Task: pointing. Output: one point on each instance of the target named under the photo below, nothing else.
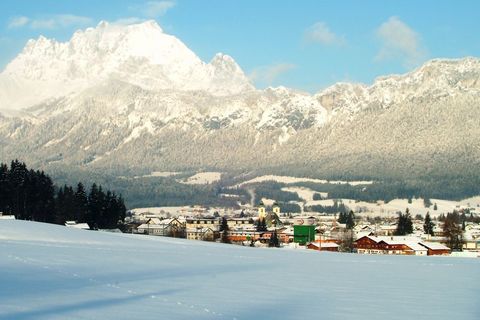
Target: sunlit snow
(51, 272)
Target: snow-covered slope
(140, 54)
(52, 272)
(135, 98)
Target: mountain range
(133, 100)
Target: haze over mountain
(134, 99)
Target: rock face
(132, 98)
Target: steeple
(261, 210)
(276, 208)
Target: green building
(303, 234)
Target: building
(207, 229)
(202, 233)
(74, 224)
(323, 246)
(302, 234)
(271, 218)
(240, 223)
(174, 227)
(390, 245)
(435, 248)
(6, 217)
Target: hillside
(109, 101)
(52, 272)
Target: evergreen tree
(350, 220)
(94, 207)
(81, 204)
(5, 189)
(428, 225)
(453, 232)
(274, 241)
(426, 202)
(342, 218)
(224, 229)
(31, 195)
(347, 241)
(435, 206)
(261, 225)
(404, 224)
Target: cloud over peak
(321, 33)
(400, 42)
(50, 22)
(154, 9)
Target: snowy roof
(324, 244)
(362, 234)
(411, 242)
(73, 224)
(7, 217)
(201, 230)
(151, 226)
(434, 246)
(154, 221)
(415, 246)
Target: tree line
(31, 195)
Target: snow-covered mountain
(132, 97)
(140, 54)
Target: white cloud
(154, 9)
(17, 22)
(268, 74)
(399, 41)
(321, 33)
(50, 22)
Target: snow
(140, 54)
(53, 272)
(416, 207)
(204, 178)
(289, 180)
(305, 194)
(159, 174)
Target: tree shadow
(85, 305)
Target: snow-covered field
(203, 178)
(288, 180)
(51, 272)
(416, 207)
(390, 208)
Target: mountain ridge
(143, 118)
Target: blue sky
(308, 44)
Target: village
(264, 226)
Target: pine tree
(81, 204)
(404, 224)
(261, 225)
(274, 241)
(224, 229)
(94, 207)
(435, 206)
(342, 218)
(347, 241)
(453, 232)
(426, 202)
(428, 225)
(350, 220)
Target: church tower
(261, 211)
(276, 209)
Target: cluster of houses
(321, 232)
